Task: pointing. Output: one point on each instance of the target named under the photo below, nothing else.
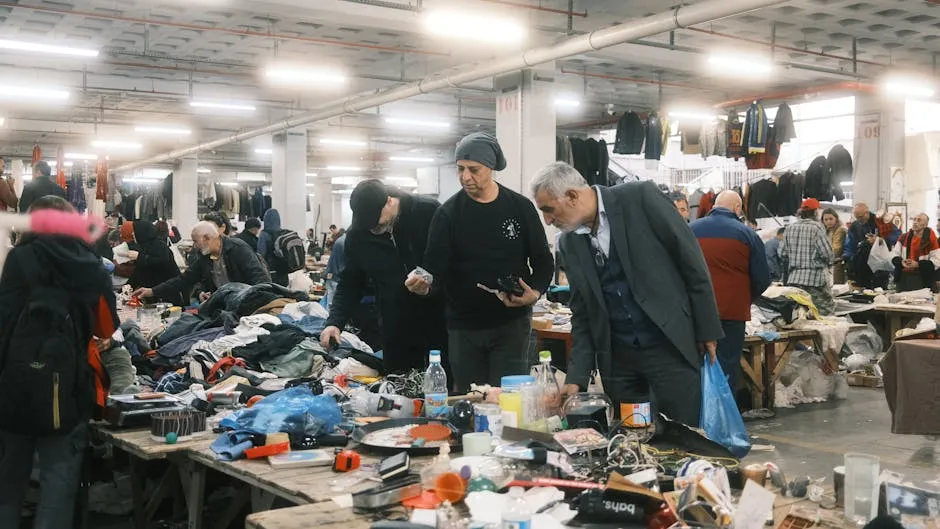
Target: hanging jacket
(755, 129)
(817, 179)
(840, 169)
(783, 122)
(761, 192)
(630, 134)
(603, 162)
(735, 136)
(654, 137)
(789, 194)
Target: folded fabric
(313, 325)
(177, 348)
(305, 308)
(281, 341)
(251, 323)
(231, 446)
(297, 363)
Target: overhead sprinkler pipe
(679, 17)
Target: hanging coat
(840, 169)
(783, 123)
(654, 137)
(630, 134)
(755, 129)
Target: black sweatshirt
(474, 243)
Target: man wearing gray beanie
(488, 254)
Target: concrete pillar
(525, 124)
(289, 178)
(185, 195)
(324, 200)
(879, 150)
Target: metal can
(488, 418)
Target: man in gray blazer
(642, 306)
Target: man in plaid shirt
(806, 257)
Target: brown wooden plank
(139, 444)
(326, 514)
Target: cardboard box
(863, 380)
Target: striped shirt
(806, 254)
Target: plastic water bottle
(551, 393)
(435, 388)
(516, 514)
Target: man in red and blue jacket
(738, 267)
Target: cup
(838, 485)
(477, 443)
(861, 487)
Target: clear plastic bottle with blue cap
(435, 388)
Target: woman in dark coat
(155, 263)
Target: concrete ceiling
(157, 55)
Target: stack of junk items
(245, 370)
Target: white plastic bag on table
(879, 260)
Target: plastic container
(517, 514)
(861, 487)
(587, 401)
(449, 486)
(488, 418)
(435, 388)
(533, 409)
(546, 381)
(510, 398)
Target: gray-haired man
(642, 305)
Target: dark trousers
(659, 374)
(484, 356)
(60, 465)
(908, 281)
(729, 350)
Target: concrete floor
(811, 439)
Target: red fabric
(101, 175)
(105, 325)
(915, 245)
(729, 264)
(885, 229)
(223, 365)
(60, 167)
(706, 204)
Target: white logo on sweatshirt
(511, 229)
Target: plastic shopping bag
(720, 418)
(293, 410)
(879, 260)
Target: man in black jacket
(222, 260)
(386, 241)
(40, 186)
(250, 233)
(485, 240)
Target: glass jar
(589, 400)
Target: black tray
(362, 431)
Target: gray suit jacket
(666, 271)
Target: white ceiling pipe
(679, 17)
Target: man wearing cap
(738, 267)
(482, 240)
(386, 241)
(806, 257)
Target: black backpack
(289, 247)
(45, 379)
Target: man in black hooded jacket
(386, 241)
(155, 263)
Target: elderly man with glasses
(642, 304)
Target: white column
(185, 186)
(525, 125)
(289, 178)
(879, 150)
(324, 192)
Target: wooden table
(898, 316)
(762, 367)
(555, 333)
(326, 515)
(181, 475)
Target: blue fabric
(227, 297)
(629, 324)
(729, 349)
(720, 418)
(180, 346)
(231, 446)
(773, 258)
(337, 262)
(769, 336)
(311, 325)
(293, 410)
(272, 225)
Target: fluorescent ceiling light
(113, 144)
(26, 92)
(484, 27)
(228, 184)
(417, 159)
(222, 105)
(18, 45)
(143, 180)
(418, 123)
(848, 183)
(311, 174)
(564, 102)
(80, 156)
(307, 77)
(403, 181)
(911, 87)
(345, 180)
(350, 143)
(251, 177)
(701, 116)
(740, 64)
(264, 151)
(203, 170)
(343, 168)
(343, 192)
(163, 130)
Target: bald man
(740, 274)
(222, 260)
(859, 240)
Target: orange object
(427, 500)
(449, 486)
(346, 461)
(267, 450)
(430, 432)
(253, 400)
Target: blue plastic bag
(293, 410)
(720, 418)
